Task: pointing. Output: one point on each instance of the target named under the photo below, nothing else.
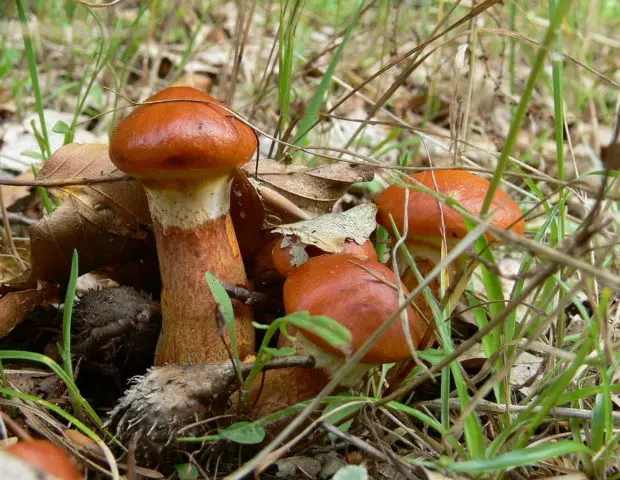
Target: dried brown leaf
(108, 223)
(11, 271)
(248, 215)
(11, 194)
(329, 232)
(313, 190)
(120, 207)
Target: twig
(9, 234)
(14, 426)
(20, 218)
(256, 300)
(361, 444)
(491, 407)
(65, 182)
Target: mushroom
(286, 262)
(183, 146)
(281, 255)
(47, 457)
(430, 221)
(358, 292)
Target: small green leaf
(61, 127)
(226, 309)
(351, 472)
(280, 352)
(248, 433)
(221, 297)
(519, 457)
(337, 335)
(186, 471)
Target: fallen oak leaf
(94, 202)
(56, 236)
(313, 190)
(107, 223)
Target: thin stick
(491, 407)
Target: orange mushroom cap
(47, 457)
(354, 292)
(424, 211)
(282, 257)
(180, 140)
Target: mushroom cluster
(184, 146)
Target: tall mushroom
(430, 221)
(183, 146)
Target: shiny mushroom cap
(284, 261)
(187, 137)
(425, 215)
(353, 291)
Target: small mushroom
(183, 146)
(286, 263)
(358, 292)
(47, 457)
(430, 220)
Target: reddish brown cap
(180, 140)
(349, 289)
(283, 256)
(424, 211)
(47, 457)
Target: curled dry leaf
(247, 213)
(108, 223)
(313, 190)
(329, 232)
(14, 306)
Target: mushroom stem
(195, 235)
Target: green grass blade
(34, 75)
(226, 308)
(312, 112)
(67, 314)
(520, 457)
(58, 370)
(511, 140)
